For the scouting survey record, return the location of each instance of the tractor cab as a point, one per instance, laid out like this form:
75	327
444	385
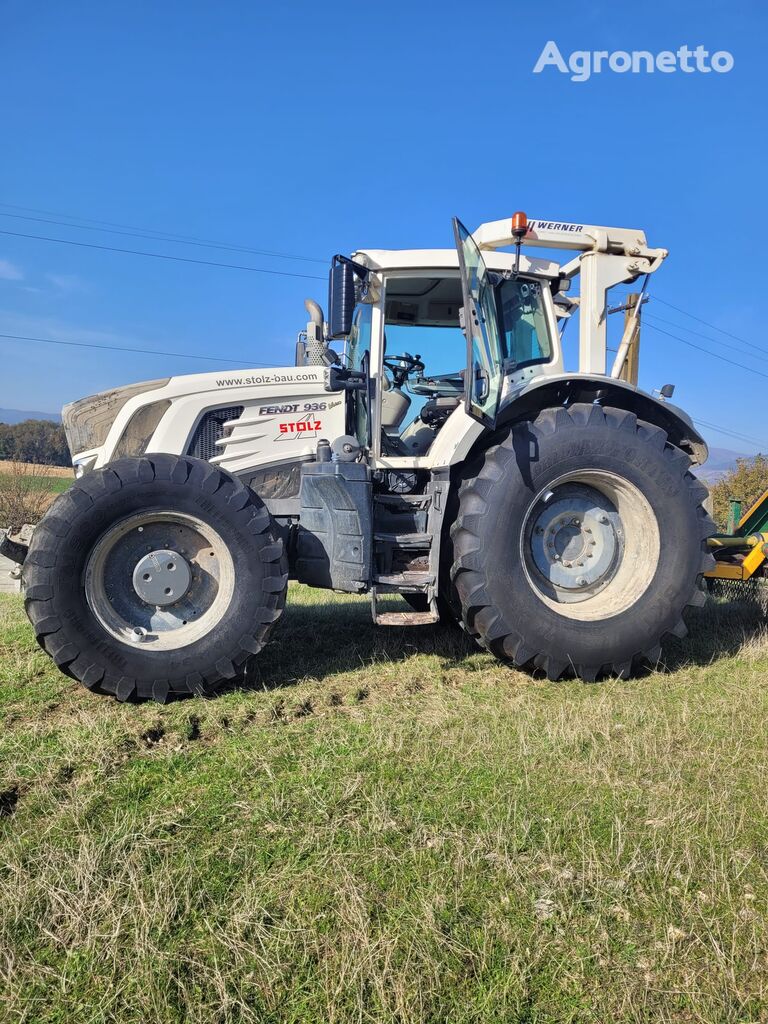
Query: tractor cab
416	361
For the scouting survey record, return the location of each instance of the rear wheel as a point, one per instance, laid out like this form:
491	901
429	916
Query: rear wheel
579	541
155	576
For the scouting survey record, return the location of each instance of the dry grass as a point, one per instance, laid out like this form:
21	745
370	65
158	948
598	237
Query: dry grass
58	472
389	826
27	490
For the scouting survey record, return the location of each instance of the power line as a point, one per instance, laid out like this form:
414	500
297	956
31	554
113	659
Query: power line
715	341
732	362
731	433
162	236
708	324
123	348
162	256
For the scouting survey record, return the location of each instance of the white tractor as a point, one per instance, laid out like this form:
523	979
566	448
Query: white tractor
552	513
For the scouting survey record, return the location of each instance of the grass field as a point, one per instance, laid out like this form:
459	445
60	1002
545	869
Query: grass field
389	826
54	479
28	489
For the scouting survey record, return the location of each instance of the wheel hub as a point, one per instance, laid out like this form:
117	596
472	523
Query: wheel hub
162	577
576	541
159	578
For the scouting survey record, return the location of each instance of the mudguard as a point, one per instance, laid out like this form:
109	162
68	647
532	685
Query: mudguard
566	389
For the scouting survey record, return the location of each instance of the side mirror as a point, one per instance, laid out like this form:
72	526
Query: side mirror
667	391
341	297
341	294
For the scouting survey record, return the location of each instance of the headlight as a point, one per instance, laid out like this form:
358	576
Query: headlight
87	422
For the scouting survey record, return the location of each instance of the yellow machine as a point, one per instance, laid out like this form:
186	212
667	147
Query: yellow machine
742	553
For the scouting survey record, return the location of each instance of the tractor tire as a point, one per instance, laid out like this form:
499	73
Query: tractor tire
579	541
154	577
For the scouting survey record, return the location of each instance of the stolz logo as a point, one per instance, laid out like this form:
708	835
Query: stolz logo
308	425
582	64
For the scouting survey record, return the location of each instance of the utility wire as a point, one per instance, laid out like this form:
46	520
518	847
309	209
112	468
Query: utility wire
732	362
144	232
162	256
108	227
731	433
123	348
714	341
162	236
706	323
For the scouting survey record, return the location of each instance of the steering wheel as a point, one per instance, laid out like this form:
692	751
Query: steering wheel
402	366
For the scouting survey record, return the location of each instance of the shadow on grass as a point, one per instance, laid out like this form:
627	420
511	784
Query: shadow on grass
319	638
729	624
331	636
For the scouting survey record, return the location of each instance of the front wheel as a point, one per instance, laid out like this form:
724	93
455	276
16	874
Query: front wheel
155	576
579	542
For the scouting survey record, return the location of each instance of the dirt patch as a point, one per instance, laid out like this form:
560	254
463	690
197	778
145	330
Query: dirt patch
9	799
153	735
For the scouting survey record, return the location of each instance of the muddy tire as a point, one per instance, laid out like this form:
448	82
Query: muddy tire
579	541
154	577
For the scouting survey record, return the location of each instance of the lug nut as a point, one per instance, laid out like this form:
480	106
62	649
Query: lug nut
581	581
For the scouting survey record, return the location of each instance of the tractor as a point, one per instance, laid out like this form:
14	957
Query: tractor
428	442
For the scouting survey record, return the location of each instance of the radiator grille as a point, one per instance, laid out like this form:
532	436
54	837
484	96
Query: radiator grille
209	430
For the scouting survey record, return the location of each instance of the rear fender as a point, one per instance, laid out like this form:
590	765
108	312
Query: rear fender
548	392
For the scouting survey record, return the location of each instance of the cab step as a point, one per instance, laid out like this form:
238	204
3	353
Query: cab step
404	582
404	618
404	540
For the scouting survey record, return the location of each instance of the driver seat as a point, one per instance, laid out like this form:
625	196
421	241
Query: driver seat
437	410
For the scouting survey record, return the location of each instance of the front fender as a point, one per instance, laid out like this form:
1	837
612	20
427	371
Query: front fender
565	389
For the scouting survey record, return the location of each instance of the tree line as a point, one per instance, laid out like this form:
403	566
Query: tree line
746	483
38	441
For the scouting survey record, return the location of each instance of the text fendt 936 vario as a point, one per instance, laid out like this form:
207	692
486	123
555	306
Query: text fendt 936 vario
553	514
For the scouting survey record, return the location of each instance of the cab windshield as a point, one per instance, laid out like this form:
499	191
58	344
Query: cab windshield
523	323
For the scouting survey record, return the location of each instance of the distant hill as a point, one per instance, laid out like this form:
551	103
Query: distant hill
720	462
12	416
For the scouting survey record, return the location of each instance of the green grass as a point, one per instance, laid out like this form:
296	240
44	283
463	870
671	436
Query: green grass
388	826
50	484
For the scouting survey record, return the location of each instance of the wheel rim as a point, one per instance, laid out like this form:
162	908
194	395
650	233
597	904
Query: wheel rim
159	579
590	545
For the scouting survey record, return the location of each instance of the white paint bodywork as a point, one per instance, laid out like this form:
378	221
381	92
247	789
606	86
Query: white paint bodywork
277	402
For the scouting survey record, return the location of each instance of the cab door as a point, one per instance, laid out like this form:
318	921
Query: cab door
485	357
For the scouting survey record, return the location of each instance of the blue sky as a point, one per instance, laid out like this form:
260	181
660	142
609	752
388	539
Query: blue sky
311	128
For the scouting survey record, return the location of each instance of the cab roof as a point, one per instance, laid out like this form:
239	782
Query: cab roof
448	259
